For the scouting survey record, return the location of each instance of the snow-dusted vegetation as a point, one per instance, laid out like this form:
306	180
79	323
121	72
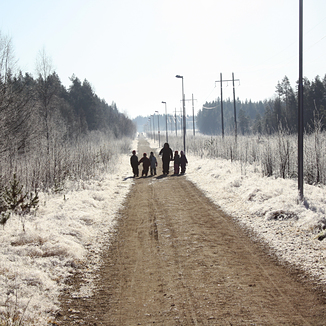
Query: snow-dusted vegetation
62	153
274	155
247	180
41	248
269	207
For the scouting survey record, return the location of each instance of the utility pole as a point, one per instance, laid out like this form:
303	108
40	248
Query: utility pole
153	115
222	118
193	114
176	123
300	105
158	128
166	123
193	111
150	126
184	114
235	113
235	110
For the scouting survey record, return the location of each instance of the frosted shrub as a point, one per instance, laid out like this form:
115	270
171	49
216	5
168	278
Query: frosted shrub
83	158
14	314
176	143
211	147
198	146
276	154
267	161
122	146
286	154
315	155
15	200
254	150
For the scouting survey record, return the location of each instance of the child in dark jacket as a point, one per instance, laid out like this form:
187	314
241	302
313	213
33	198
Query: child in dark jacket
176	160
183	162
153	161
146	164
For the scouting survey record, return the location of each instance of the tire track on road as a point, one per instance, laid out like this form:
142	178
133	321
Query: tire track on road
177	259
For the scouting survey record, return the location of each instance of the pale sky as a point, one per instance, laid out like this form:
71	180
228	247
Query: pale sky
131	50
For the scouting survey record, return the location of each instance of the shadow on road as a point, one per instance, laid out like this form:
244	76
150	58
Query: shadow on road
127	178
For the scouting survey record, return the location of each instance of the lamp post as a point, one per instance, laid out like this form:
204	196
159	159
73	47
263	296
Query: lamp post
193	114
158	128
184	115
153	115
166	123
150	127
176	122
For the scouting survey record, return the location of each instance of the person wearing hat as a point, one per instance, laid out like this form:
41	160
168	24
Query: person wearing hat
134	163
146	164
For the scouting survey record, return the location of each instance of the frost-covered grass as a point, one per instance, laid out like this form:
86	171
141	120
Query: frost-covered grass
276	155
268	206
69	227
41	169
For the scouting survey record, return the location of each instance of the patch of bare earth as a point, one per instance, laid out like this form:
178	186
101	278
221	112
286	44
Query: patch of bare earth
176	259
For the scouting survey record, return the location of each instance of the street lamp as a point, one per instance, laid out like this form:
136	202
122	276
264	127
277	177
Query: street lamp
166	123
153	115
158	128
184	115
150	127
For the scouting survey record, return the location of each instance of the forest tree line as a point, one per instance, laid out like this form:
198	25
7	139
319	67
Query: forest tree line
58	132
42	110
268	116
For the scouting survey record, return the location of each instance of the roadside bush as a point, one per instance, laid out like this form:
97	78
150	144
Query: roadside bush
82	158
276	154
15	200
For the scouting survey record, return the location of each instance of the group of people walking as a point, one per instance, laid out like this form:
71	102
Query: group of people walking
147	162
180	161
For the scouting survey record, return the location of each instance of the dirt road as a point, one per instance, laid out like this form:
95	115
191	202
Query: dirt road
177	259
